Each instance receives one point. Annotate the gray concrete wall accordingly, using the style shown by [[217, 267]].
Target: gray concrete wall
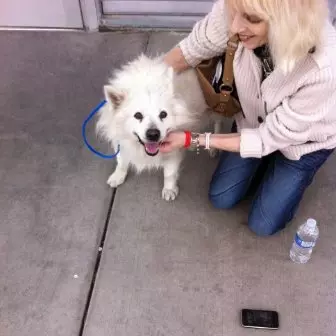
[[40, 13]]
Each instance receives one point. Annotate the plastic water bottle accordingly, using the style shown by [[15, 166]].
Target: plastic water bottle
[[304, 242]]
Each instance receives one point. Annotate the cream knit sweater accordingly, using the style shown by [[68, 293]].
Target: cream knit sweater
[[296, 113]]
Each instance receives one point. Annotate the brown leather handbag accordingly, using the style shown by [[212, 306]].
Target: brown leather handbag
[[220, 99]]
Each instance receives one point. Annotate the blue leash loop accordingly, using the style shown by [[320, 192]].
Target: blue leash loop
[[86, 121]]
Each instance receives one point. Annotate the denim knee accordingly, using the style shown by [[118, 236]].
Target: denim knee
[[262, 225], [224, 200]]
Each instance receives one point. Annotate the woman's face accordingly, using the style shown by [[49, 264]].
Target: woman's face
[[252, 30]]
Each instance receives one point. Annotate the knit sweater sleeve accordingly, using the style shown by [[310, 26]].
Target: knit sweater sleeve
[[293, 122], [208, 37]]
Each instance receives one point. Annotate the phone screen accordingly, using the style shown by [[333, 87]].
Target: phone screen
[[265, 319]]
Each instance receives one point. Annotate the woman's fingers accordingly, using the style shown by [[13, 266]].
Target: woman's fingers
[[172, 141], [165, 147]]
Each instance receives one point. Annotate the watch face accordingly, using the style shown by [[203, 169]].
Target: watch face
[[194, 142]]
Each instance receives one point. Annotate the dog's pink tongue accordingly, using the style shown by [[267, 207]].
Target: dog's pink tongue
[[152, 147]]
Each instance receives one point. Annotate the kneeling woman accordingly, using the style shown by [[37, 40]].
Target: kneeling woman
[[285, 75]]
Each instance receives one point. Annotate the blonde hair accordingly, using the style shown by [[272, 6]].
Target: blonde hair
[[295, 26]]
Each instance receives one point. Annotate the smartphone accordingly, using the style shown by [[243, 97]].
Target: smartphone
[[260, 319]]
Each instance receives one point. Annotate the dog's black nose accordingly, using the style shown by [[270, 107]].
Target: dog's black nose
[[153, 134]]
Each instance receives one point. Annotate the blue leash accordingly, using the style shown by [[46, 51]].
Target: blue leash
[[86, 121]]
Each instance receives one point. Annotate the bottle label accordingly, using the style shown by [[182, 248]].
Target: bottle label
[[302, 243]]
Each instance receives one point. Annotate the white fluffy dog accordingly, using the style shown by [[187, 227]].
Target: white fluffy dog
[[145, 100]]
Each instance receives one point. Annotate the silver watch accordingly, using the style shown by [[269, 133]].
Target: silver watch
[[194, 144]]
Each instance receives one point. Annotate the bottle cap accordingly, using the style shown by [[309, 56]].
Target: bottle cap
[[311, 223]]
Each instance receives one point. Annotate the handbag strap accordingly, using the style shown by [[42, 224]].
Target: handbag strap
[[226, 87]]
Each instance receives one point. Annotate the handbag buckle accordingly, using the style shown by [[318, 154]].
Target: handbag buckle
[[226, 88]]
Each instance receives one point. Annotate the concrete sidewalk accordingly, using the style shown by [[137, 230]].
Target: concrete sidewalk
[[180, 268]]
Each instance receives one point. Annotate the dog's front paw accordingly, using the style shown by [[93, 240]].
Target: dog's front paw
[[170, 194], [116, 179], [213, 152]]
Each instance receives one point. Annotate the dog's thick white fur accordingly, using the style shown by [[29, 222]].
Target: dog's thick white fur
[[145, 100]]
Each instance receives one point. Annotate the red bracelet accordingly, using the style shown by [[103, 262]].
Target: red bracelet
[[187, 141]]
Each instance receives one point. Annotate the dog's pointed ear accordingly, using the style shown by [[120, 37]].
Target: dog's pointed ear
[[113, 96]]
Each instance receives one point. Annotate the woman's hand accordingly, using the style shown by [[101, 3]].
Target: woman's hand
[[176, 60], [227, 142], [173, 141]]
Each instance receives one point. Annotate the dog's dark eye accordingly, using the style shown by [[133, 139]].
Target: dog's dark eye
[[138, 116], [163, 115]]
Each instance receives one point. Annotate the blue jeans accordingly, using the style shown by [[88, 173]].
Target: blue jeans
[[279, 182]]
